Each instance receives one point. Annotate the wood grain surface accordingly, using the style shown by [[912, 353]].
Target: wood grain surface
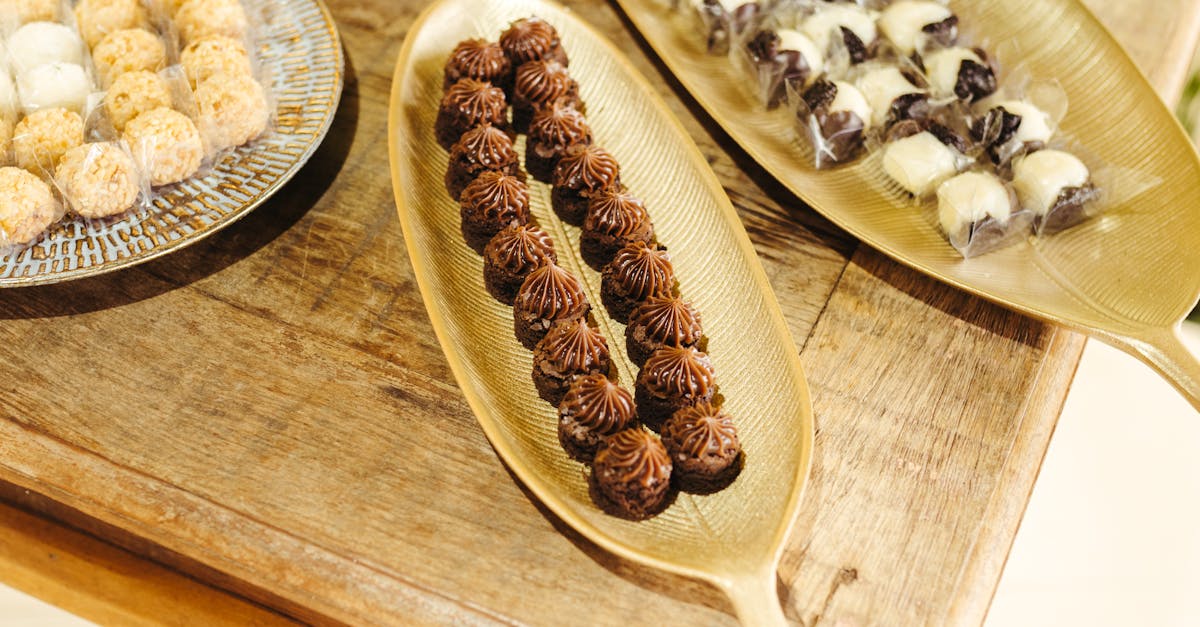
[[268, 410]]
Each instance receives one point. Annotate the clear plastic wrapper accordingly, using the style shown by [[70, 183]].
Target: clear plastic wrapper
[[779, 61], [9, 103], [39, 43], [844, 32], [98, 18], [723, 24], [128, 50], [919, 157], [41, 138], [27, 208], [914, 26], [1018, 120], [100, 180], [6, 133], [960, 72], [894, 92], [979, 213], [833, 117], [14, 13], [197, 19], [166, 146]]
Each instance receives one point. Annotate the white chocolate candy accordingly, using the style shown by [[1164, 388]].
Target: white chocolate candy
[[971, 197], [8, 94], [849, 99], [881, 87], [902, 22], [795, 40], [1036, 125], [828, 21], [942, 68], [53, 85], [920, 162], [38, 43], [1041, 177]]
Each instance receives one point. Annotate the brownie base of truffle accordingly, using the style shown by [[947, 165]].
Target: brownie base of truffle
[[569, 205], [503, 286], [549, 387], [580, 447], [539, 167], [477, 235], [637, 504], [598, 250], [446, 131], [654, 411], [618, 305], [530, 331], [699, 477]]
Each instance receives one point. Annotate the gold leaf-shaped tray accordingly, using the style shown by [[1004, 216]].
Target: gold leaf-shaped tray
[[732, 538], [1128, 277]]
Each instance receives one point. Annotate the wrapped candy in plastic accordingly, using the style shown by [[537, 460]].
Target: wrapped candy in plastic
[[216, 54], [979, 213], [231, 111], [133, 94], [165, 145], [27, 207], [894, 93], [16, 12], [780, 59], [98, 18], [98, 180], [41, 138], [913, 25], [920, 162], [8, 92], [833, 116], [957, 72], [128, 50], [54, 85], [197, 19], [1018, 120], [39, 43], [6, 132], [723, 23], [1056, 187], [844, 32]]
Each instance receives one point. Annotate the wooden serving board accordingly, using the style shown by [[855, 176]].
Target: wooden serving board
[[269, 411]]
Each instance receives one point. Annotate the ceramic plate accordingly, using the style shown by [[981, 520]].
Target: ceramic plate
[[298, 47]]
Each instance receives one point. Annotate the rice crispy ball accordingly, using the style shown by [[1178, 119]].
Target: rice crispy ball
[[40, 139], [216, 54], [232, 110], [98, 180], [197, 19], [6, 132], [27, 206], [133, 94], [24, 11], [128, 50], [98, 18], [165, 145]]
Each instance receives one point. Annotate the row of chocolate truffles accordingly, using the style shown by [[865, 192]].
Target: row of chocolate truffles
[[571, 354]]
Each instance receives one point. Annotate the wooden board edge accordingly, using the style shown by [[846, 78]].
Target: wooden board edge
[[980, 575]]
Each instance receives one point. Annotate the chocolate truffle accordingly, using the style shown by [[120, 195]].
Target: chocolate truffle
[[553, 129], [539, 83], [593, 408], [571, 348], [835, 116], [481, 60], [637, 272], [894, 96], [27, 207], [631, 474], [974, 210], [469, 103], [849, 24], [661, 321], [920, 162], [489, 203], [912, 24], [511, 255], [481, 149], [725, 21], [582, 172], [1055, 186], [781, 58], [532, 39], [704, 448], [960, 72], [549, 294], [614, 219], [672, 378], [1010, 128]]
